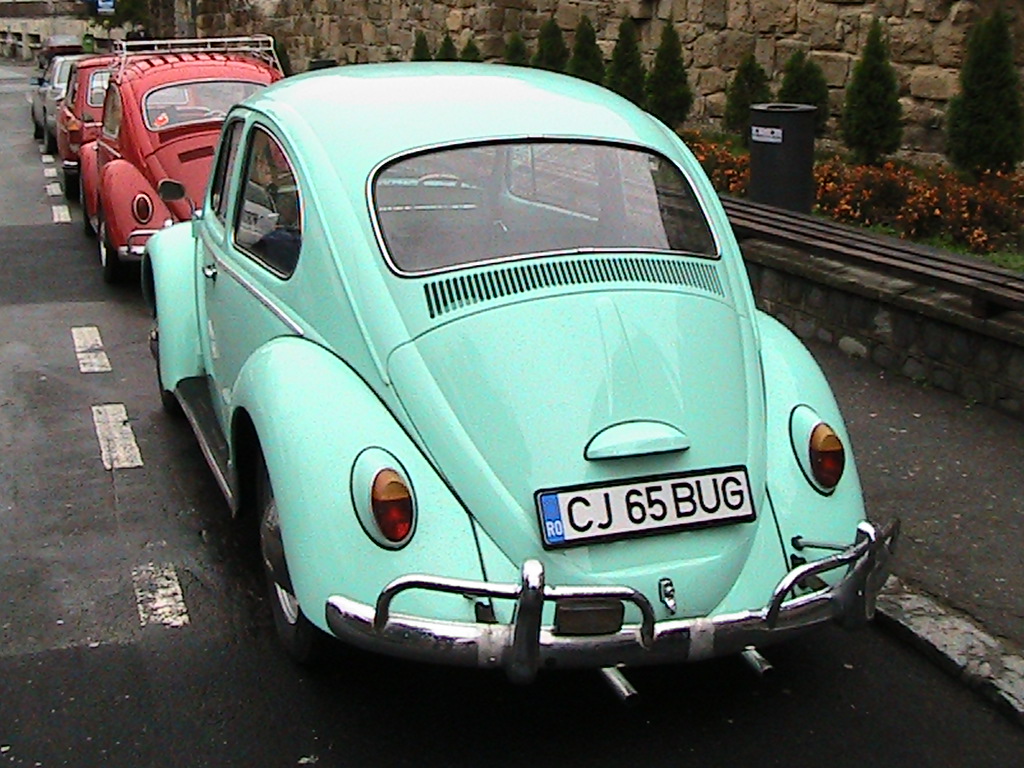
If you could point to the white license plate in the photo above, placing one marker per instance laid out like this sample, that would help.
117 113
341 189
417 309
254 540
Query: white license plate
586 514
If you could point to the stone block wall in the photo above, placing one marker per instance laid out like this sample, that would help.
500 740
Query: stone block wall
915 331
927 37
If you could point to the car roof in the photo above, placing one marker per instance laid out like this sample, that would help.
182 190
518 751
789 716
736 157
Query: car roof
186 66
387 109
93 61
62 57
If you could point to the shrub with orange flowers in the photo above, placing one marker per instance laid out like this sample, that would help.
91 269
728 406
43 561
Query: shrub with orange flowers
728 170
982 217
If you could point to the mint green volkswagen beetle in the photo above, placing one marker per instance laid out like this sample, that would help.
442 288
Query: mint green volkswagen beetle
475 348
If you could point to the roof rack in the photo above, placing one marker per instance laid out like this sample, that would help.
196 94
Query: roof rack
259 47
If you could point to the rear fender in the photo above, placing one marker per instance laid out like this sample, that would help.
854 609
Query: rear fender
120 183
169 286
314 417
793 378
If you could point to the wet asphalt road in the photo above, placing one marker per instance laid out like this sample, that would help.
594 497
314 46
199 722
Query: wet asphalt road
83 683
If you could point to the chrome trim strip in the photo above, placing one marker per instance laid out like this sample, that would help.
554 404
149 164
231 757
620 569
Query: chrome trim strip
525 646
291 324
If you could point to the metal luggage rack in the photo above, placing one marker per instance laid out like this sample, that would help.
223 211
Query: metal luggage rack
259 47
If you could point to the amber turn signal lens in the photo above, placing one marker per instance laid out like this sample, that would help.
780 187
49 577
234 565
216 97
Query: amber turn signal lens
828 457
392 505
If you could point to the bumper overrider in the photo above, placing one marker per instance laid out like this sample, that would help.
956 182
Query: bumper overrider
524 646
135 248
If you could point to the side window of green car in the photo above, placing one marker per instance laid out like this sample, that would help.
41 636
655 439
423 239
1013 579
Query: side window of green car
226 162
268 223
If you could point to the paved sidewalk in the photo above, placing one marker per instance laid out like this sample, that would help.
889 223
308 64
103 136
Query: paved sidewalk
954 474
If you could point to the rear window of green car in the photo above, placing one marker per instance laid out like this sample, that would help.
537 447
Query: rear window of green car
465 205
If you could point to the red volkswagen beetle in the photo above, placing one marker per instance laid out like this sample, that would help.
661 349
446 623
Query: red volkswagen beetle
78 121
162 116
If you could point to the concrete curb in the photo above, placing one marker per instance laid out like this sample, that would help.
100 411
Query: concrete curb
957 644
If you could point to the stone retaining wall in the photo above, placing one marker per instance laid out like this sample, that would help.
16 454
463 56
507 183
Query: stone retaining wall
923 333
927 37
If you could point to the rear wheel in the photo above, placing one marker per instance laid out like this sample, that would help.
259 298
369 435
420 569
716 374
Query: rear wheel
168 401
71 186
37 131
86 224
301 639
51 143
109 260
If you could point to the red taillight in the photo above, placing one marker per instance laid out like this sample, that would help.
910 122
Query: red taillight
392 505
142 207
828 457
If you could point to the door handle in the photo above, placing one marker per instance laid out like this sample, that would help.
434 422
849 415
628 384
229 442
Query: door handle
210 271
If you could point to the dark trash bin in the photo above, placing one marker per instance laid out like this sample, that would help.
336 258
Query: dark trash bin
782 155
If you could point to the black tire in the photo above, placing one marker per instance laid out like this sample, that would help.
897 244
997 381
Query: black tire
168 401
37 131
71 186
86 224
110 262
51 143
302 640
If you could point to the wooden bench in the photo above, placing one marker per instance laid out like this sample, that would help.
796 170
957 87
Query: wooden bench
991 289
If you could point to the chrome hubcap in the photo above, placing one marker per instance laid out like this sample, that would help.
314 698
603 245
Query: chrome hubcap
289 605
101 236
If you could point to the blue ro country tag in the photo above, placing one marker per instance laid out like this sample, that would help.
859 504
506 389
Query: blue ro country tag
554 530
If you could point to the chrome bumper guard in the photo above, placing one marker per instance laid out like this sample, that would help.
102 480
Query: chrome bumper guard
136 247
69 166
525 646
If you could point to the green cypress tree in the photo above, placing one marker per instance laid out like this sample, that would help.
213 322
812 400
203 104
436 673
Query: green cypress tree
803 82
515 51
748 86
447 52
871 113
421 49
552 53
586 62
282 56
985 125
626 73
470 52
669 97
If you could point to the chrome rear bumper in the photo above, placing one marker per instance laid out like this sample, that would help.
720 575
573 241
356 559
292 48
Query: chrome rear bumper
525 646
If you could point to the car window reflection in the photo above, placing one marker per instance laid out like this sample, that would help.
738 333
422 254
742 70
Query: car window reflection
269 223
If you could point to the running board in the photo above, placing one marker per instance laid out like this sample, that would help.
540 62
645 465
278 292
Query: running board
194 395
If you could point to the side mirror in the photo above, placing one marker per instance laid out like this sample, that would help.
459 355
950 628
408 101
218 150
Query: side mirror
170 190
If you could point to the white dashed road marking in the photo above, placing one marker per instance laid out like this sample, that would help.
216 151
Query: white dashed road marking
117 441
53 189
158 595
89 350
61 214
50 173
